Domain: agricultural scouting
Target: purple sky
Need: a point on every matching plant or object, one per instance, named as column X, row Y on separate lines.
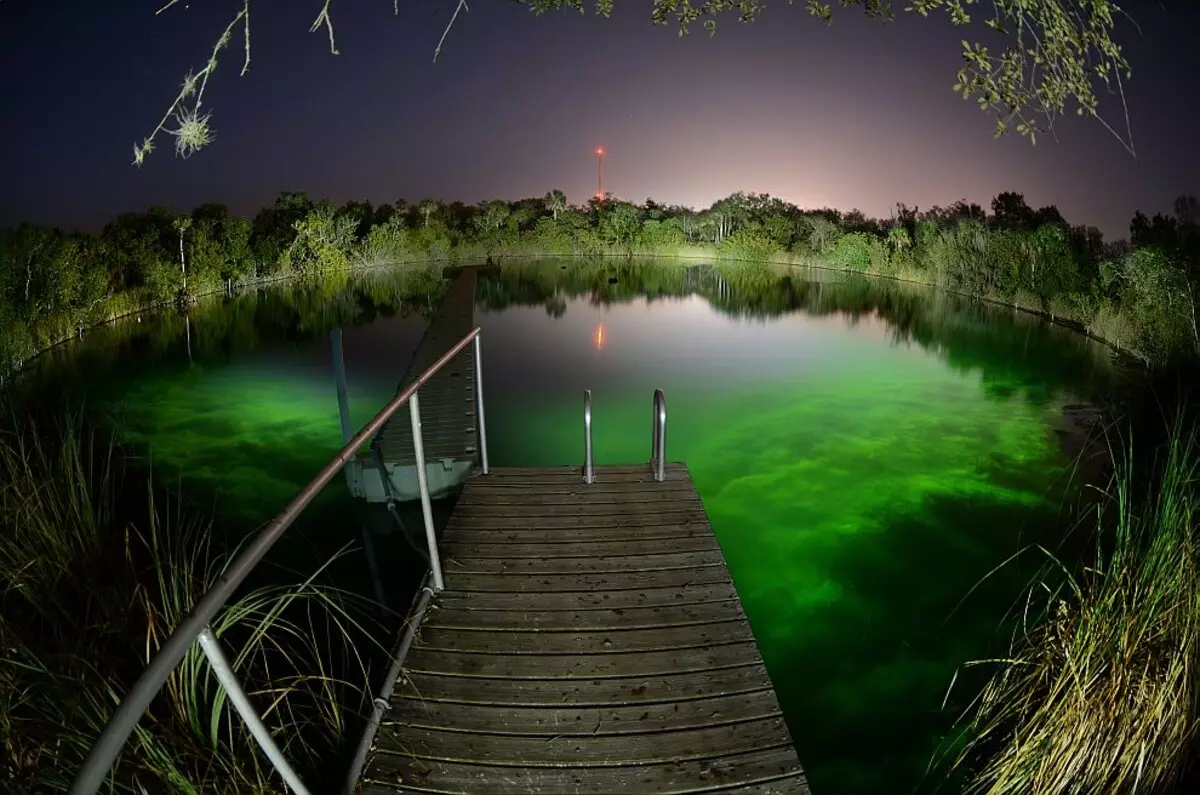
column 854, row 115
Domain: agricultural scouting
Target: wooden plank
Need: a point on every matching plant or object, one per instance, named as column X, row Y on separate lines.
column 486, row 485
column 795, row 783
column 617, row 564
column 472, row 501
column 579, row 509
column 590, row 620
column 572, row 752
column 589, row 640
column 532, row 476
column 572, row 721
column 479, row 641
column 553, row 583
column 584, row 666
column 541, row 474
column 772, row 770
column 633, row 546
column 637, row 690
column 691, row 516
column 582, row 600
column 569, row 538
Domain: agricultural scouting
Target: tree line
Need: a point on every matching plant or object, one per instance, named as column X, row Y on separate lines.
column 1139, row 294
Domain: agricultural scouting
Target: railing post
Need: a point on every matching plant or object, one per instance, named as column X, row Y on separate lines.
column 435, row 563
column 589, row 470
column 483, row 451
column 98, row 764
column 228, row 679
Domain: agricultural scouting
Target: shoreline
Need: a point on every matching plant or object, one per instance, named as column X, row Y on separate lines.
column 690, row 252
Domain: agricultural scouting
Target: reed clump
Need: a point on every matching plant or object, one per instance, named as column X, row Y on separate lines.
column 94, row 575
column 1100, row 694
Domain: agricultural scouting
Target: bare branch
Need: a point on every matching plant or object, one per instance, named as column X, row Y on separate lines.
column 462, row 6
column 323, row 19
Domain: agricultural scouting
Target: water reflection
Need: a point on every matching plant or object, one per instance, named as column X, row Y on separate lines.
column 867, row 450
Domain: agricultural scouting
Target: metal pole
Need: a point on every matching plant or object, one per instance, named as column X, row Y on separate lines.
column 589, row 470
column 435, row 564
column 383, row 700
column 483, row 453
column 228, row 679
column 339, row 377
column 658, row 453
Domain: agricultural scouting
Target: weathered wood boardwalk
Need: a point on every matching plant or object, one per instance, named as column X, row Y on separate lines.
column 448, row 406
column 589, row 640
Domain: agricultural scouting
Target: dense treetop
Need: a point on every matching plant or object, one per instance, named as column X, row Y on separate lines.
column 1139, row 294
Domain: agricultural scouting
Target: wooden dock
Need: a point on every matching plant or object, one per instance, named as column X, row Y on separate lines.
column 589, row 640
column 448, row 408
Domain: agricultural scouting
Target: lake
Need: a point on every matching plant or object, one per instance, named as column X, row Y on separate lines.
column 868, row 451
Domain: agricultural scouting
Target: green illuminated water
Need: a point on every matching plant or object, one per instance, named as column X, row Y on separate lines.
column 867, row 452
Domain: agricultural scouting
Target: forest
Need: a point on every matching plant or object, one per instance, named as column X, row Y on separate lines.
column 1139, row 295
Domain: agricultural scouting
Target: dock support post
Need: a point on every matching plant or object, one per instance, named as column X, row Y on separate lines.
column 353, row 471
column 339, row 376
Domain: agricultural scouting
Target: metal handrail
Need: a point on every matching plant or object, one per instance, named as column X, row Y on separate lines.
column 658, row 445
column 383, row 701
column 589, row 468
column 98, row 764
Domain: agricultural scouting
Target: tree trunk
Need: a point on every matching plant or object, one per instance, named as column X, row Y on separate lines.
column 182, row 265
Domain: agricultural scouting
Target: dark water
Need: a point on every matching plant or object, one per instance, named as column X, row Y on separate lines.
column 867, row 451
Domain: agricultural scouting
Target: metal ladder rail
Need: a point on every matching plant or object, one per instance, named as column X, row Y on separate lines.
column 658, row 444
column 658, row 440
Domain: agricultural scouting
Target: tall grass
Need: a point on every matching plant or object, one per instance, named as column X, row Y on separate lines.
column 1100, row 696
column 94, row 575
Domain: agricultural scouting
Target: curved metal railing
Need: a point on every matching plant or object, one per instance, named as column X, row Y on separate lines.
column 589, row 468
column 196, row 627
column 658, row 449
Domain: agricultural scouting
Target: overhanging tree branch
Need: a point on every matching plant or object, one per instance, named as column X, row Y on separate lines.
column 1058, row 53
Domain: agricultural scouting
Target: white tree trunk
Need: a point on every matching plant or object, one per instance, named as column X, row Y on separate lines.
column 182, row 264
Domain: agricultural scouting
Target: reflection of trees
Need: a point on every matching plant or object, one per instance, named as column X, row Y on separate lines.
column 265, row 317
column 603, row 283
column 1014, row 353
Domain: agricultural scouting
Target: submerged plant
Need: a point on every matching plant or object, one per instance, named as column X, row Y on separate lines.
column 95, row 576
column 1101, row 695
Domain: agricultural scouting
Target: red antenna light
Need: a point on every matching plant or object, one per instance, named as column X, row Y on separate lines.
column 600, row 172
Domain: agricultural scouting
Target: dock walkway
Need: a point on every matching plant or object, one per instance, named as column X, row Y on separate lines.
column 578, row 632
column 589, row 639
column 448, row 409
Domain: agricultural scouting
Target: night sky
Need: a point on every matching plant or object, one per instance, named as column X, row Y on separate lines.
column 854, row 115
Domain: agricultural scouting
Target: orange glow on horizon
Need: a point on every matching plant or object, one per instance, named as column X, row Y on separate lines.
column 598, row 338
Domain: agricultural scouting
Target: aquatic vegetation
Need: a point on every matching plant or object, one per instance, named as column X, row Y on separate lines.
column 97, row 570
